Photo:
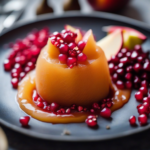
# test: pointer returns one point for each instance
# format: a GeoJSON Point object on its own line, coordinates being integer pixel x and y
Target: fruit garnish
{"type": "Point", "coordinates": [70, 52]}
{"type": "Point", "coordinates": [131, 37]}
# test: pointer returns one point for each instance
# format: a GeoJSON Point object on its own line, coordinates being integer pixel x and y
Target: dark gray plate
{"type": "Point", "coordinates": [9, 110]}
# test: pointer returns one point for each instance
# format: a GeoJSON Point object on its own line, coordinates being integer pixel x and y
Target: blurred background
{"type": "Point", "coordinates": [12, 11]}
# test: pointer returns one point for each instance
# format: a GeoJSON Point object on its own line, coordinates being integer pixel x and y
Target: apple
{"type": "Point", "coordinates": [108, 5]}
{"type": "Point", "coordinates": [131, 37]}
{"type": "Point", "coordinates": [112, 43]}
{"type": "Point", "coordinates": [73, 29]}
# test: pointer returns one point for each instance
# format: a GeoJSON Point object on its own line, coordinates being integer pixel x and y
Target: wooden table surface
{"type": "Point", "coordinates": [136, 9]}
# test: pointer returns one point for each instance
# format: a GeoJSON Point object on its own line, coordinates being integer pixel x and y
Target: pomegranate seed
{"type": "Point", "coordinates": [124, 60]}
{"type": "Point", "coordinates": [144, 76]}
{"type": "Point", "coordinates": [120, 55]}
{"type": "Point", "coordinates": [120, 65]}
{"type": "Point", "coordinates": [129, 69]}
{"type": "Point", "coordinates": [72, 45]}
{"type": "Point", "coordinates": [22, 75]}
{"type": "Point", "coordinates": [128, 84]}
{"type": "Point", "coordinates": [68, 111]}
{"type": "Point", "coordinates": [33, 60]}
{"type": "Point", "coordinates": [53, 38]}
{"type": "Point", "coordinates": [103, 105]}
{"type": "Point", "coordinates": [132, 120]}
{"type": "Point", "coordinates": [35, 51]}
{"type": "Point", "coordinates": [81, 57]}
{"type": "Point", "coordinates": [142, 119]}
{"type": "Point", "coordinates": [18, 67]}
{"type": "Point", "coordinates": [27, 69]}
{"type": "Point", "coordinates": [53, 41]}
{"type": "Point", "coordinates": [124, 50]}
{"type": "Point", "coordinates": [39, 99]}
{"type": "Point", "coordinates": [138, 48]}
{"type": "Point", "coordinates": [139, 96]}
{"type": "Point", "coordinates": [146, 99]}
{"type": "Point", "coordinates": [144, 90]}
{"type": "Point", "coordinates": [111, 68]}
{"type": "Point", "coordinates": [143, 110]}
{"type": "Point", "coordinates": [40, 104]}
{"type": "Point", "coordinates": [137, 67]}
{"type": "Point", "coordinates": [146, 66]}
{"type": "Point", "coordinates": [144, 83]}
{"type": "Point", "coordinates": [56, 34]}
{"type": "Point", "coordinates": [15, 75]}
{"type": "Point", "coordinates": [65, 31]}
{"type": "Point", "coordinates": [146, 105]}
{"type": "Point", "coordinates": [115, 59]}
{"type": "Point", "coordinates": [120, 84]}
{"type": "Point", "coordinates": [115, 77]}
{"type": "Point", "coordinates": [116, 67]}
{"type": "Point", "coordinates": [128, 76]}
{"type": "Point", "coordinates": [22, 60]}
{"type": "Point", "coordinates": [60, 40]}
{"type": "Point", "coordinates": [81, 45]}
{"type": "Point", "coordinates": [63, 48]}
{"type": "Point", "coordinates": [95, 106]}
{"type": "Point", "coordinates": [45, 103]}
{"type": "Point", "coordinates": [31, 65]}
{"type": "Point", "coordinates": [120, 72]}
{"type": "Point", "coordinates": [48, 108]}
{"type": "Point", "coordinates": [140, 59]}
{"type": "Point", "coordinates": [14, 82]}
{"type": "Point", "coordinates": [71, 61]}
{"type": "Point", "coordinates": [136, 82]}
{"type": "Point", "coordinates": [63, 58]}
{"type": "Point", "coordinates": [7, 65]}
{"type": "Point", "coordinates": [62, 110]}
{"type": "Point", "coordinates": [109, 104]}
{"type": "Point", "coordinates": [91, 121]}
{"type": "Point", "coordinates": [105, 112]}
{"type": "Point", "coordinates": [128, 54]}
{"type": "Point", "coordinates": [134, 55]}
{"type": "Point", "coordinates": [24, 120]}
{"type": "Point", "coordinates": [92, 110]}
{"type": "Point", "coordinates": [35, 95]}
{"type": "Point", "coordinates": [68, 37]}
{"type": "Point", "coordinates": [72, 53]}
{"type": "Point", "coordinates": [54, 107]}
{"type": "Point", "coordinates": [12, 55]}
{"type": "Point", "coordinates": [57, 44]}
{"type": "Point", "coordinates": [138, 106]}
{"type": "Point", "coordinates": [80, 108]}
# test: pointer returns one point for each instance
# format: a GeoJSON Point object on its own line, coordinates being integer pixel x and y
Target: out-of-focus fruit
{"type": "Point", "coordinates": [111, 44]}
{"type": "Point", "coordinates": [131, 37]}
{"type": "Point", "coordinates": [108, 5]}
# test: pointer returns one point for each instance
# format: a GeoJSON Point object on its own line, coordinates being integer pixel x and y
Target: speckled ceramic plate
{"type": "Point", "coordinates": [9, 110]}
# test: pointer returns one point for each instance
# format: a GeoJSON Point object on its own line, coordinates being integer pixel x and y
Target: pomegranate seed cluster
{"type": "Point", "coordinates": [70, 51]}
{"type": "Point", "coordinates": [144, 108]}
{"type": "Point", "coordinates": [102, 108]}
{"type": "Point", "coordinates": [130, 68]}
{"type": "Point", "coordinates": [24, 54]}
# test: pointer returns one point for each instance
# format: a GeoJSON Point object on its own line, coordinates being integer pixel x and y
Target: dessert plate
{"type": "Point", "coordinates": [10, 111]}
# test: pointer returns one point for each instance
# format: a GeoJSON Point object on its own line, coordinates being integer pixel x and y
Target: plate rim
{"type": "Point", "coordinates": [65, 15]}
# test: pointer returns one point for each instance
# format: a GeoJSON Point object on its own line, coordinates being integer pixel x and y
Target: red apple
{"type": "Point", "coordinates": [111, 44]}
{"type": "Point", "coordinates": [108, 5]}
{"type": "Point", "coordinates": [131, 37]}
